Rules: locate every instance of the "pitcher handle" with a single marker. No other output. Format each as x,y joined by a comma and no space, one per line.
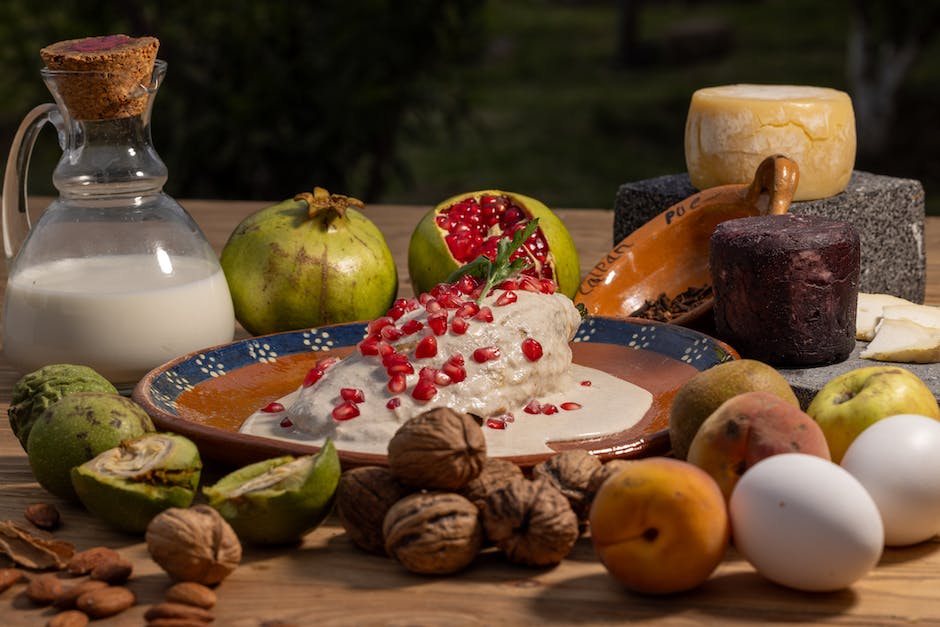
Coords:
15,213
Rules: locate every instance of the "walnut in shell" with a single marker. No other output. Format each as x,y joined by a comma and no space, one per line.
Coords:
440,449
363,497
433,533
194,544
531,522
496,473
604,473
571,472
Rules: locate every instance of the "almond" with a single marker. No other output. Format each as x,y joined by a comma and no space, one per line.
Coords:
68,618
85,561
114,571
179,610
43,589
105,602
67,598
191,593
43,515
176,622
8,577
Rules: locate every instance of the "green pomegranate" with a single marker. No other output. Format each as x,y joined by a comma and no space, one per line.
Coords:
468,225
308,261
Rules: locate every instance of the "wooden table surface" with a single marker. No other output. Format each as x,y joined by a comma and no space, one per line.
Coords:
326,581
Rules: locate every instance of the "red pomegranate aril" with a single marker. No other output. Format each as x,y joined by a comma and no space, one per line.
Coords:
273,408
459,325
326,362
511,216
441,379
570,406
506,298
423,298
393,403
352,394
394,358
404,368
378,324
369,347
454,368
533,407
529,283
433,306
395,313
411,327
347,410
424,391
451,301
548,409
547,286
496,423
391,333
508,284
313,375
587,383
286,423
485,314
426,348
466,284
468,310
385,349
438,323
397,384
531,349
486,353
427,373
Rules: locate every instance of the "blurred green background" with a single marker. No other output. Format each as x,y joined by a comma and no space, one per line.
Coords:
415,100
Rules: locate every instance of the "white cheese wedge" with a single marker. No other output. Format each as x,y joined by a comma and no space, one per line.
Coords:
870,310
924,315
903,341
730,129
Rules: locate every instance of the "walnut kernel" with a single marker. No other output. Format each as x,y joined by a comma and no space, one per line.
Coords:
433,533
363,497
194,544
531,522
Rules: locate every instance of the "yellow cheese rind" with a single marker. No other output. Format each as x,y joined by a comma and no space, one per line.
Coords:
732,128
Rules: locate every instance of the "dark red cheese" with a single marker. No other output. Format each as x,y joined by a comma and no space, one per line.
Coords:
786,288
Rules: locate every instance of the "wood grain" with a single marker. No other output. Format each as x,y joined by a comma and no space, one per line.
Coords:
326,581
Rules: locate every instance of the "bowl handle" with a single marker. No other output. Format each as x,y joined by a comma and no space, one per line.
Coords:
774,184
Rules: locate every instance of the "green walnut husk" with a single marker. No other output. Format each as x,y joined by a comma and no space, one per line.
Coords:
36,391
75,429
278,501
128,485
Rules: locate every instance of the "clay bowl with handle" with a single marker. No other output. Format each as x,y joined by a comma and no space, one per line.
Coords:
669,254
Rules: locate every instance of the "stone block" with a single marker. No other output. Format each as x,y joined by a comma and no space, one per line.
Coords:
888,213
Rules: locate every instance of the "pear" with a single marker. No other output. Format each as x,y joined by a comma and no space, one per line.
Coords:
707,390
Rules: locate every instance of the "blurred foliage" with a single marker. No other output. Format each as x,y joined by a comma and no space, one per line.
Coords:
264,99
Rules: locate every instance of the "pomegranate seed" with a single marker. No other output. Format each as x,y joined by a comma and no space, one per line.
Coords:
438,323
352,394
427,373
485,314
411,327
391,333
459,325
487,353
272,408
369,346
378,324
511,216
508,417
570,406
400,368
313,375
451,301
397,384
549,409
286,423
347,410
385,349
326,362
423,391
506,298
427,347
533,407
586,383
468,310
466,284
531,349
441,378
433,306
393,403
424,298
547,286
496,423
454,369
529,283
395,312
508,284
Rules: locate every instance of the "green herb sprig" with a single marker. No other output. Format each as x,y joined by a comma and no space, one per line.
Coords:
495,271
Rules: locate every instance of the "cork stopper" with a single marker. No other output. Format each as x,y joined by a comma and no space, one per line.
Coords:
111,75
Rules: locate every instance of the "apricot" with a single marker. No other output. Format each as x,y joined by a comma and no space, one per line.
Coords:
660,525
747,428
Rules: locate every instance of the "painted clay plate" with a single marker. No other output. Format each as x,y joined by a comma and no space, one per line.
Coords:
206,395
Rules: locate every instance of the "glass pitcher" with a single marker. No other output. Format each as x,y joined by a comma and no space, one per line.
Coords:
114,274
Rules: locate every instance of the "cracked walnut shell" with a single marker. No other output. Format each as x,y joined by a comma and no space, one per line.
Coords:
531,522
194,544
433,533
363,497
571,472
440,449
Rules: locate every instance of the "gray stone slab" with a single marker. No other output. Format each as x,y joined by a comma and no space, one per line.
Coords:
887,211
806,382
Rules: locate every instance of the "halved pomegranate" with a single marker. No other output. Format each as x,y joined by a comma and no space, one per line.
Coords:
466,226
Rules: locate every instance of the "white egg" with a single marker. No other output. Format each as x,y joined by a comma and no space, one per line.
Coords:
897,459
805,522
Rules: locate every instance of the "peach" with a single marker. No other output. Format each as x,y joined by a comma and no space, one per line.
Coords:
747,428
660,525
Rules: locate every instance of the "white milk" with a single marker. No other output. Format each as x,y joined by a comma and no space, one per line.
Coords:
122,315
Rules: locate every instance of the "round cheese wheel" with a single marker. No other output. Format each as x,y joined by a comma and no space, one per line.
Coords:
786,287
730,129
